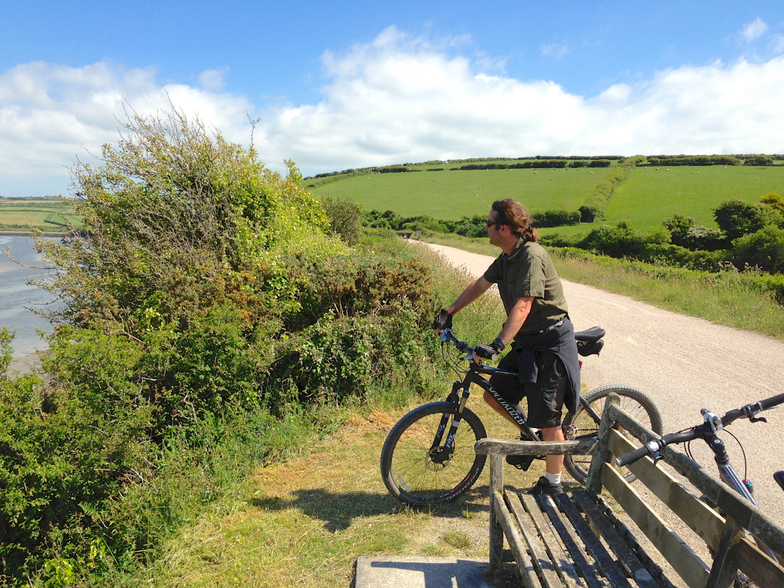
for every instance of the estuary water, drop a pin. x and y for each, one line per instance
(17, 298)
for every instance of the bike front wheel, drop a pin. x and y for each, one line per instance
(583, 424)
(417, 467)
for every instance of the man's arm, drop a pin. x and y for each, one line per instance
(473, 291)
(514, 322)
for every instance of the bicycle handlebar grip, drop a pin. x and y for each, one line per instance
(635, 455)
(779, 477)
(771, 402)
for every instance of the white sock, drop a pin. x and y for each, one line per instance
(553, 479)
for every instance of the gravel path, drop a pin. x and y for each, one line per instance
(684, 364)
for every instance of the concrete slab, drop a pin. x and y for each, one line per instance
(420, 572)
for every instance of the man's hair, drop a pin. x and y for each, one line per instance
(512, 214)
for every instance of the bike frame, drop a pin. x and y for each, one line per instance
(474, 376)
(727, 473)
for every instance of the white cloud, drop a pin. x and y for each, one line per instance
(212, 79)
(754, 30)
(777, 44)
(50, 115)
(555, 50)
(393, 100)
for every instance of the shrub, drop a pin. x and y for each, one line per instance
(737, 218)
(556, 218)
(618, 241)
(196, 267)
(774, 201)
(344, 219)
(763, 249)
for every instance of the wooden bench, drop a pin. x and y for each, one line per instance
(578, 539)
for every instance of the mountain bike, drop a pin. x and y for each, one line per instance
(707, 431)
(428, 457)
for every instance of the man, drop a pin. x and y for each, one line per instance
(544, 350)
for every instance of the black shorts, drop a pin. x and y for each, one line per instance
(545, 396)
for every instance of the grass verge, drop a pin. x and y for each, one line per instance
(304, 522)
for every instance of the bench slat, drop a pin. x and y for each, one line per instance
(631, 540)
(552, 543)
(700, 517)
(524, 564)
(683, 560)
(756, 565)
(589, 572)
(539, 557)
(489, 446)
(603, 558)
(626, 557)
(719, 493)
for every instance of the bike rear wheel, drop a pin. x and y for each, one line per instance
(584, 425)
(414, 466)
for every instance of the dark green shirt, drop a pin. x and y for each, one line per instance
(528, 271)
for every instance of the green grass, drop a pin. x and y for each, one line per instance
(48, 215)
(304, 522)
(648, 196)
(450, 195)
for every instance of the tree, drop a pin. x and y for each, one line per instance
(774, 201)
(345, 219)
(763, 249)
(737, 218)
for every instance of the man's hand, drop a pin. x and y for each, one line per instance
(489, 351)
(442, 321)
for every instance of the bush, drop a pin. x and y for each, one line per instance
(618, 241)
(345, 219)
(204, 289)
(556, 218)
(677, 256)
(763, 249)
(685, 233)
(774, 201)
(737, 218)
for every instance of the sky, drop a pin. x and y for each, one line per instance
(341, 84)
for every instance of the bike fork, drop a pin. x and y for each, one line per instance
(441, 454)
(730, 477)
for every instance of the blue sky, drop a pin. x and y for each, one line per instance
(353, 84)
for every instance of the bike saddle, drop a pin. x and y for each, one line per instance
(590, 335)
(589, 342)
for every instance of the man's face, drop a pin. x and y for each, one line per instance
(492, 228)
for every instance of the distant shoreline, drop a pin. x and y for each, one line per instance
(27, 234)
(25, 364)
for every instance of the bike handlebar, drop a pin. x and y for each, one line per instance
(653, 448)
(447, 336)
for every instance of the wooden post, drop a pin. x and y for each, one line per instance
(602, 452)
(496, 532)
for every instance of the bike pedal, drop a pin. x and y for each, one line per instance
(521, 462)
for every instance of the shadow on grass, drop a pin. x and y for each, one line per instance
(339, 509)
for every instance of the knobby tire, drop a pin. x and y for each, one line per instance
(635, 402)
(408, 469)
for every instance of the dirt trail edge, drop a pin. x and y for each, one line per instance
(684, 364)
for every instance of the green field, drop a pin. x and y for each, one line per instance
(646, 198)
(23, 214)
(453, 194)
